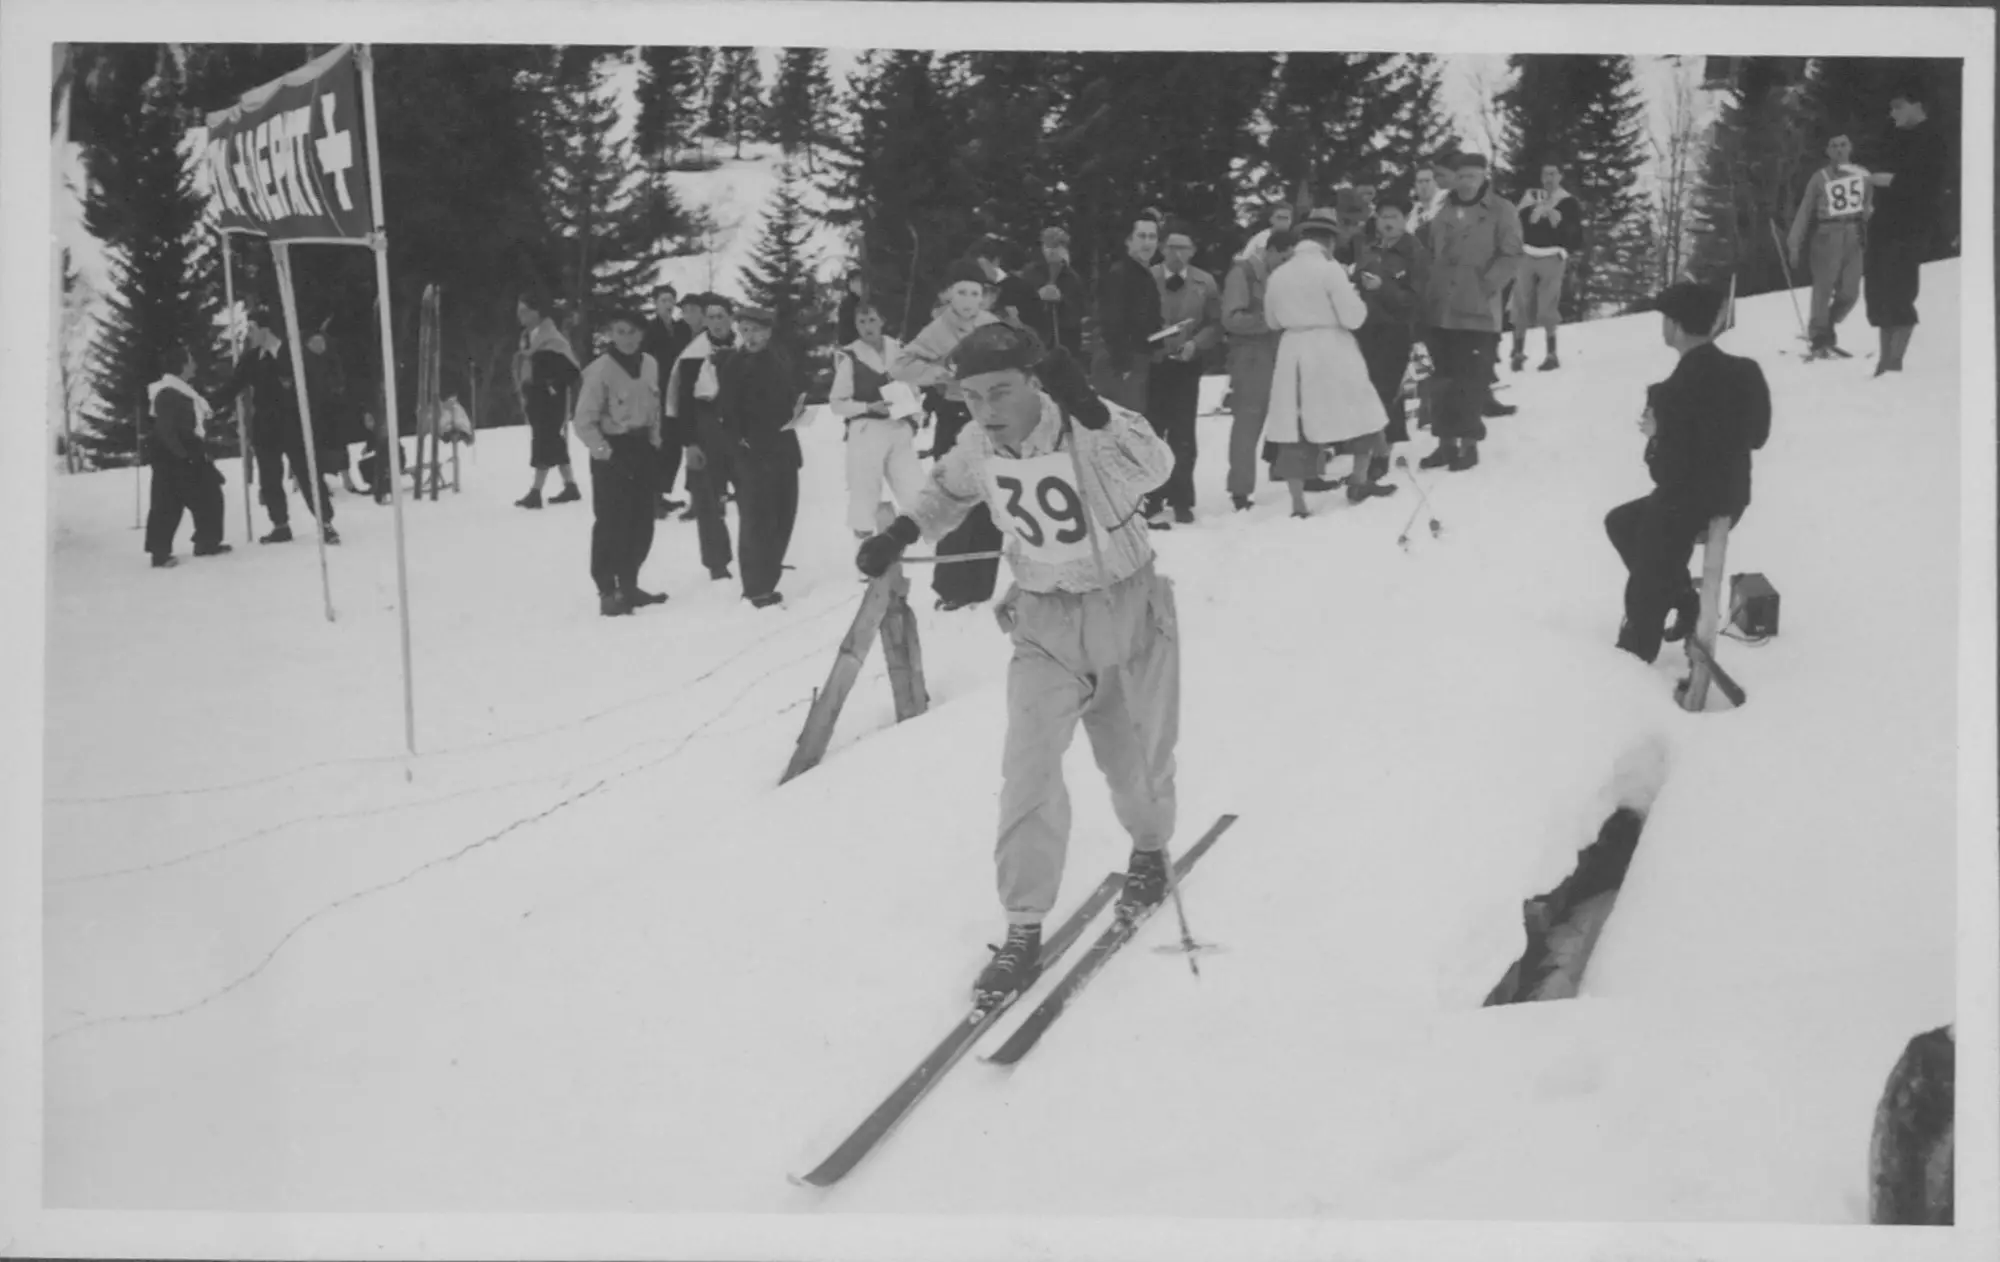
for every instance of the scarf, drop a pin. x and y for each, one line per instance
(632, 364)
(170, 382)
(546, 337)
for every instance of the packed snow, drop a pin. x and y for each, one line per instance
(583, 954)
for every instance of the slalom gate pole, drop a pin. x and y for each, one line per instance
(138, 461)
(282, 253)
(242, 420)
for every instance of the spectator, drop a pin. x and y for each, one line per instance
(1428, 194)
(1551, 232)
(1837, 201)
(1191, 306)
(1128, 314)
(691, 415)
(665, 337)
(1320, 396)
(275, 434)
(618, 420)
(547, 370)
(1391, 275)
(1014, 300)
(184, 478)
(1253, 353)
(1701, 424)
(326, 394)
(1911, 185)
(925, 363)
(1352, 211)
(1280, 219)
(1471, 249)
(760, 397)
(879, 445)
(857, 293)
(1056, 314)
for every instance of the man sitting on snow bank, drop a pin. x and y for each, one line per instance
(1701, 424)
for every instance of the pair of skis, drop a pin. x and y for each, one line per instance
(887, 1115)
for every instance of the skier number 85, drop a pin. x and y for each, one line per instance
(1844, 196)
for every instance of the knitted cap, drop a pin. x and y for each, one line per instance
(964, 270)
(995, 348)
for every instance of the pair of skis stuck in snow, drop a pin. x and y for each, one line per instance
(968, 1030)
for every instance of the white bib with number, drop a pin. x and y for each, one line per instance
(1844, 195)
(1038, 502)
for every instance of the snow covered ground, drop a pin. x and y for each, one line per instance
(582, 954)
(737, 196)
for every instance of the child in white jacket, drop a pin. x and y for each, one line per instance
(880, 445)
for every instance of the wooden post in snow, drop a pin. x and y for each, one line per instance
(902, 651)
(1701, 644)
(884, 604)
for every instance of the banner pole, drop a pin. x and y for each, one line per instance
(236, 356)
(282, 252)
(138, 461)
(366, 55)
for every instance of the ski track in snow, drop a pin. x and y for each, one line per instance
(691, 982)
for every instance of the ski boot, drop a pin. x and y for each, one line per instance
(1017, 962)
(279, 534)
(1493, 407)
(641, 598)
(331, 535)
(568, 495)
(1145, 883)
(532, 499)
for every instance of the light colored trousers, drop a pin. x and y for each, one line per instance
(879, 448)
(1110, 658)
(1836, 275)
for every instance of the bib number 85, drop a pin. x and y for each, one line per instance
(1844, 196)
(1055, 504)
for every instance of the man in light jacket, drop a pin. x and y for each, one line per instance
(1253, 353)
(618, 421)
(1472, 247)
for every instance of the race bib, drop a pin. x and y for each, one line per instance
(1037, 502)
(1844, 196)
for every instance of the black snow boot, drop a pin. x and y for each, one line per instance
(1017, 962)
(279, 534)
(532, 499)
(1687, 608)
(1466, 457)
(613, 605)
(1243, 503)
(568, 495)
(164, 561)
(1439, 458)
(212, 549)
(1145, 882)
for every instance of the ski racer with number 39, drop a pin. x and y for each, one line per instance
(1093, 624)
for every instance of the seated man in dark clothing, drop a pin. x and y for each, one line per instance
(1701, 423)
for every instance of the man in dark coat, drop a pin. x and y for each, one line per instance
(547, 370)
(276, 436)
(1909, 185)
(1701, 423)
(691, 414)
(184, 478)
(664, 338)
(1128, 314)
(1390, 274)
(1014, 299)
(759, 398)
(1056, 311)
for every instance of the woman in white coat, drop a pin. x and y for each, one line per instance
(1320, 395)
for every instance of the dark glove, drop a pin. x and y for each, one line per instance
(879, 552)
(1064, 381)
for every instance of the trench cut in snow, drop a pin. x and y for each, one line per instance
(1564, 924)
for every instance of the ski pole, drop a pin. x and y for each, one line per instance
(1423, 505)
(1785, 265)
(953, 560)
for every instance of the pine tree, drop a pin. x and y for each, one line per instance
(801, 101)
(1755, 171)
(783, 267)
(613, 223)
(141, 203)
(670, 95)
(736, 97)
(1586, 114)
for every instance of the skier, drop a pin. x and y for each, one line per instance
(1911, 177)
(184, 478)
(879, 444)
(1093, 624)
(546, 369)
(1701, 424)
(1832, 214)
(618, 422)
(1551, 231)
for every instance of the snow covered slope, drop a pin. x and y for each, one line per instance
(737, 197)
(589, 957)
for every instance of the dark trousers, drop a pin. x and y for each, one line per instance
(1655, 540)
(705, 488)
(1173, 396)
(1890, 275)
(271, 489)
(1385, 349)
(621, 501)
(1460, 359)
(767, 506)
(192, 486)
(670, 466)
(964, 582)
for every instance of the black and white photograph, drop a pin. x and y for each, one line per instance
(924, 630)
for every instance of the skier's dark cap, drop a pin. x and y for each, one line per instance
(1691, 305)
(755, 315)
(963, 270)
(995, 348)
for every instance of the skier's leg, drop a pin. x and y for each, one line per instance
(1045, 694)
(1847, 284)
(1825, 255)
(1134, 719)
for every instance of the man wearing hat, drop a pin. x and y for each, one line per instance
(1128, 314)
(1190, 305)
(759, 400)
(1056, 314)
(1094, 626)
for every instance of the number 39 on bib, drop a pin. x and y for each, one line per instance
(1037, 502)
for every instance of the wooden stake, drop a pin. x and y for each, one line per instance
(902, 651)
(1714, 548)
(846, 669)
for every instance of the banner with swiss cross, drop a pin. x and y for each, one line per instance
(289, 160)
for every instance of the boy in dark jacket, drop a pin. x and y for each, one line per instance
(758, 397)
(184, 478)
(1056, 315)
(1390, 274)
(1701, 423)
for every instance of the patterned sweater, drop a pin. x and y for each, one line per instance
(1033, 497)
